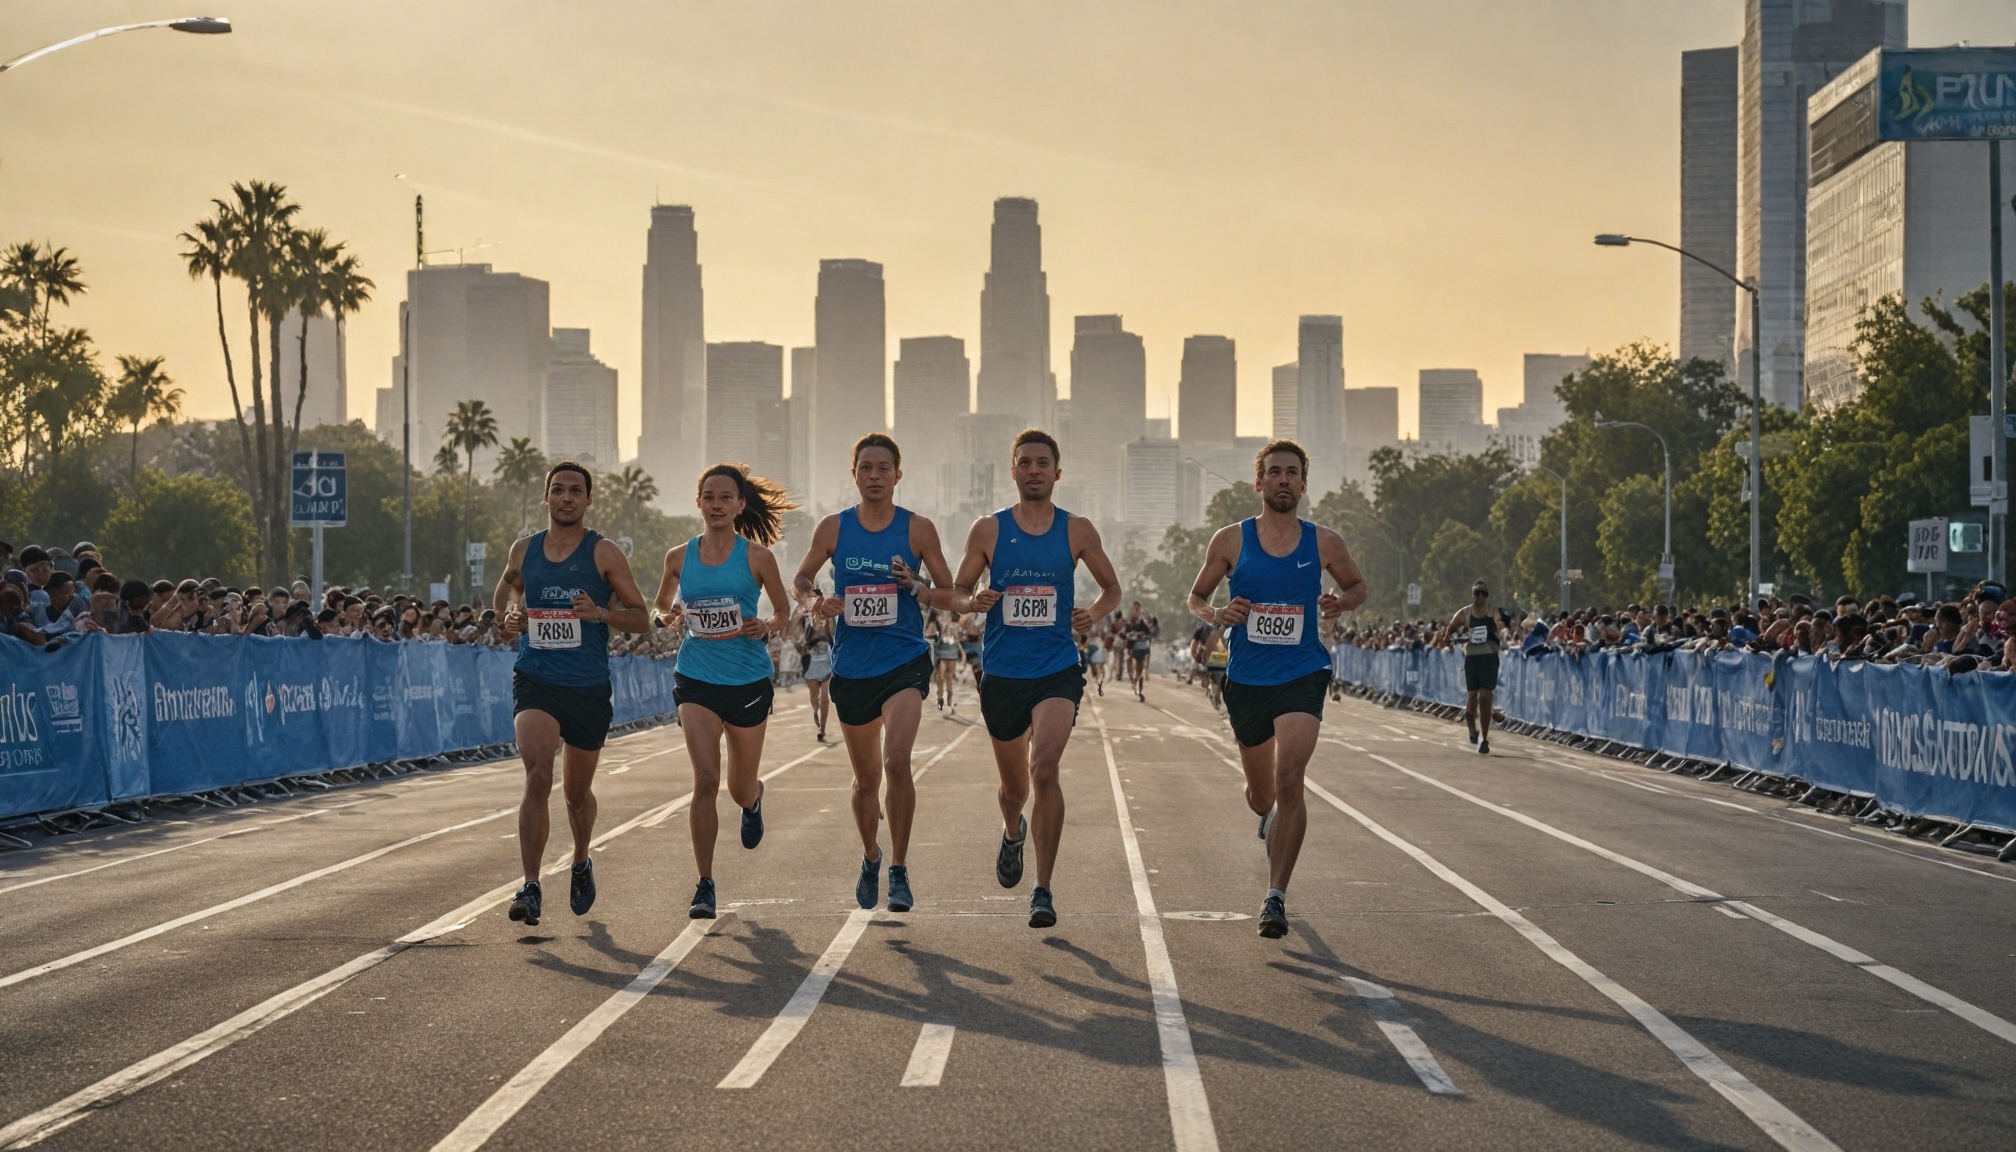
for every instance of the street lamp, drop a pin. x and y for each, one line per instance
(1564, 534)
(1666, 560)
(201, 25)
(1618, 240)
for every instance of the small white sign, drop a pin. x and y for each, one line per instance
(477, 550)
(1413, 595)
(1928, 546)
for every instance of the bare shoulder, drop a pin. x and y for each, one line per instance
(609, 555)
(762, 560)
(984, 532)
(1329, 541)
(922, 530)
(1225, 541)
(828, 529)
(1083, 533)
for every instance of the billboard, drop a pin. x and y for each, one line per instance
(1948, 94)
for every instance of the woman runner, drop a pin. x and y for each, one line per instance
(723, 677)
(945, 648)
(815, 650)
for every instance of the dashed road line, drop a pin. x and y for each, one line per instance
(178, 847)
(797, 1010)
(927, 1059)
(1385, 1011)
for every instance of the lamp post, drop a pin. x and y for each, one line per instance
(1619, 240)
(1564, 534)
(200, 25)
(1665, 559)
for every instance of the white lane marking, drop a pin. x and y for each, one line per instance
(1979, 1017)
(27, 974)
(1729, 912)
(504, 1103)
(1189, 1108)
(1636, 784)
(927, 1059)
(942, 753)
(798, 1009)
(1887, 848)
(1728, 804)
(37, 1126)
(1385, 1011)
(179, 847)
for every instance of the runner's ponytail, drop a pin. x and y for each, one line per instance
(764, 503)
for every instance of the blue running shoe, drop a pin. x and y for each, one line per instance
(581, 888)
(899, 889)
(1008, 861)
(525, 905)
(1274, 918)
(869, 886)
(1042, 913)
(752, 822)
(703, 900)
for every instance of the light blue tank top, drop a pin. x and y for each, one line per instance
(1029, 629)
(880, 628)
(557, 647)
(718, 599)
(1279, 640)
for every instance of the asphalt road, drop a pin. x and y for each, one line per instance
(1538, 949)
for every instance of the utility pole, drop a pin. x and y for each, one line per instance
(1998, 410)
(406, 396)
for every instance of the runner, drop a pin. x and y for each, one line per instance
(945, 649)
(1140, 633)
(969, 644)
(723, 678)
(554, 597)
(1200, 647)
(1095, 659)
(1479, 627)
(815, 651)
(882, 665)
(1215, 660)
(1031, 683)
(1279, 669)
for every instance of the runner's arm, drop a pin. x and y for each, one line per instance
(763, 563)
(1219, 557)
(1351, 589)
(825, 541)
(510, 591)
(1093, 553)
(967, 597)
(668, 584)
(632, 615)
(924, 542)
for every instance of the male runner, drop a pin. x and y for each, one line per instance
(1479, 629)
(1140, 632)
(1279, 670)
(555, 596)
(1031, 681)
(882, 663)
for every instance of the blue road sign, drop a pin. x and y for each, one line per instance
(321, 490)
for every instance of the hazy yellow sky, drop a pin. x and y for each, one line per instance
(1430, 169)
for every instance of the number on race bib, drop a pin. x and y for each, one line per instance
(871, 605)
(1274, 624)
(1029, 605)
(716, 618)
(1479, 634)
(548, 628)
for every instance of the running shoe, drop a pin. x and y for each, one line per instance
(1472, 725)
(703, 900)
(525, 905)
(899, 889)
(1484, 747)
(1042, 913)
(581, 889)
(1266, 821)
(867, 889)
(752, 822)
(1274, 918)
(1008, 861)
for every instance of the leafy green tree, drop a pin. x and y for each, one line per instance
(520, 468)
(143, 390)
(172, 527)
(1457, 555)
(1631, 534)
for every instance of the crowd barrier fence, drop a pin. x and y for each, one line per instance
(108, 719)
(1921, 741)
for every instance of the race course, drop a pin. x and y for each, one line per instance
(1535, 949)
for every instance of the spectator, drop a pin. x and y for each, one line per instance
(298, 619)
(61, 610)
(14, 614)
(136, 600)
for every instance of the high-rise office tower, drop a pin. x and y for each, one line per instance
(1544, 373)
(472, 334)
(742, 377)
(1287, 399)
(850, 398)
(1371, 422)
(1791, 48)
(1452, 411)
(934, 382)
(1109, 409)
(1015, 376)
(580, 403)
(327, 400)
(1207, 394)
(1150, 482)
(773, 441)
(672, 447)
(1319, 426)
(804, 376)
(1708, 202)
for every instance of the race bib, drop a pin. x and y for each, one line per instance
(1029, 605)
(552, 628)
(1274, 624)
(716, 618)
(871, 605)
(1480, 634)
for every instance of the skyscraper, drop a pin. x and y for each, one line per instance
(672, 447)
(804, 374)
(1109, 409)
(1015, 376)
(473, 334)
(1791, 48)
(743, 379)
(1150, 479)
(850, 398)
(1371, 422)
(1544, 373)
(1708, 202)
(580, 403)
(1452, 411)
(1319, 425)
(1207, 394)
(934, 383)
(1287, 399)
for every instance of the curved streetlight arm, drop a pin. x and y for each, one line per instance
(202, 25)
(1618, 240)
(1666, 457)
(1201, 468)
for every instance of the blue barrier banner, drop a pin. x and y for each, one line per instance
(110, 718)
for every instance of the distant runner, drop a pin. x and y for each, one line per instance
(1479, 629)
(1140, 633)
(945, 649)
(555, 597)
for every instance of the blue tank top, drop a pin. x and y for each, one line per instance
(718, 599)
(880, 628)
(558, 647)
(1279, 640)
(1029, 628)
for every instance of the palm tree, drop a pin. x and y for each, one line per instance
(209, 254)
(634, 485)
(143, 390)
(48, 279)
(521, 465)
(470, 428)
(257, 221)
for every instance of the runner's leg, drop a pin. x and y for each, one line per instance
(745, 763)
(901, 714)
(1484, 714)
(578, 786)
(1049, 730)
(538, 743)
(864, 753)
(1294, 742)
(703, 748)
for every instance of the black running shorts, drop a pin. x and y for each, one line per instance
(738, 705)
(1480, 673)
(1253, 707)
(1007, 703)
(583, 713)
(860, 701)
